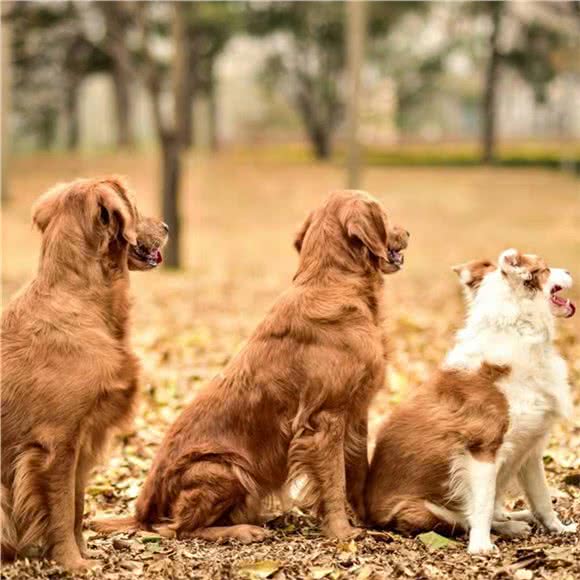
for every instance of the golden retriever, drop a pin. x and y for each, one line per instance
(69, 378)
(294, 401)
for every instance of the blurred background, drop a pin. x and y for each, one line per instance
(234, 119)
(351, 83)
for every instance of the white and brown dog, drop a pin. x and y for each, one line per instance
(445, 457)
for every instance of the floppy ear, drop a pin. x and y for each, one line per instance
(511, 263)
(115, 204)
(365, 221)
(46, 205)
(302, 232)
(463, 272)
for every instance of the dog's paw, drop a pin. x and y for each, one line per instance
(557, 527)
(512, 529)
(481, 546)
(343, 532)
(77, 564)
(521, 516)
(246, 534)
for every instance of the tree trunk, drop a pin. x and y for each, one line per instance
(172, 136)
(213, 111)
(72, 113)
(321, 141)
(6, 98)
(171, 174)
(491, 84)
(190, 90)
(182, 73)
(47, 129)
(355, 42)
(122, 90)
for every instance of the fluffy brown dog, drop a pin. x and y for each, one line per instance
(294, 401)
(69, 376)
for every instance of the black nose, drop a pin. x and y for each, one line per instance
(165, 227)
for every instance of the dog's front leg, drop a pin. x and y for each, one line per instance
(61, 485)
(481, 476)
(357, 464)
(533, 481)
(319, 451)
(83, 468)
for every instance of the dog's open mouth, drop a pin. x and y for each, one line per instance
(562, 304)
(152, 257)
(396, 258)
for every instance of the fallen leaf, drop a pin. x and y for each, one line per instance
(434, 541)
(320, 572)
(365, 573)
(349, 547)
(259, 569)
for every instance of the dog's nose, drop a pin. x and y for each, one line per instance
(165, 227)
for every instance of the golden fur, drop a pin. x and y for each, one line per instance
(294, 401)
(69, 377)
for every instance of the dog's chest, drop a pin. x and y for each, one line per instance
(532, 412)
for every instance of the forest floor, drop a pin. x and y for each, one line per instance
(239, 219)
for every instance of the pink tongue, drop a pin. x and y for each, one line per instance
(159, 257)
(558, 300)
(572, 309)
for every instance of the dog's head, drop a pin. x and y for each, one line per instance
(355, 224)
(471, 275)
(152, 235)
(99, 218)
(530, 276)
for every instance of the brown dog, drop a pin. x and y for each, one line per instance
(294, 401)
(69, 378)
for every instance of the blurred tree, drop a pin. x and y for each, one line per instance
(355, 42)
(54, 54)
(211, 26)
(6, 103)
(310, 68)
(115, 43)
(530, 53)
(42, 36)
(489, 114)
(156, 28)
(309, 72)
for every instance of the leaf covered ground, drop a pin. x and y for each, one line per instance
(239, 218)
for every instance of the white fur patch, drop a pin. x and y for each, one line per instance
(507, 325)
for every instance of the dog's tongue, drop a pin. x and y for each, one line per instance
(571, 309)
(158, 257)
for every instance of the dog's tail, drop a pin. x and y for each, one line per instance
(112, 525)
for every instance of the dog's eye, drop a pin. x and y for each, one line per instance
(105, 216)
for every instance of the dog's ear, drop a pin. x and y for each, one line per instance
(464, 273)
(512, 263)
(46, 206)
(115, 204)
(301, 233)
(364, 220)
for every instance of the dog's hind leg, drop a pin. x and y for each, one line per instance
(212, 495)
